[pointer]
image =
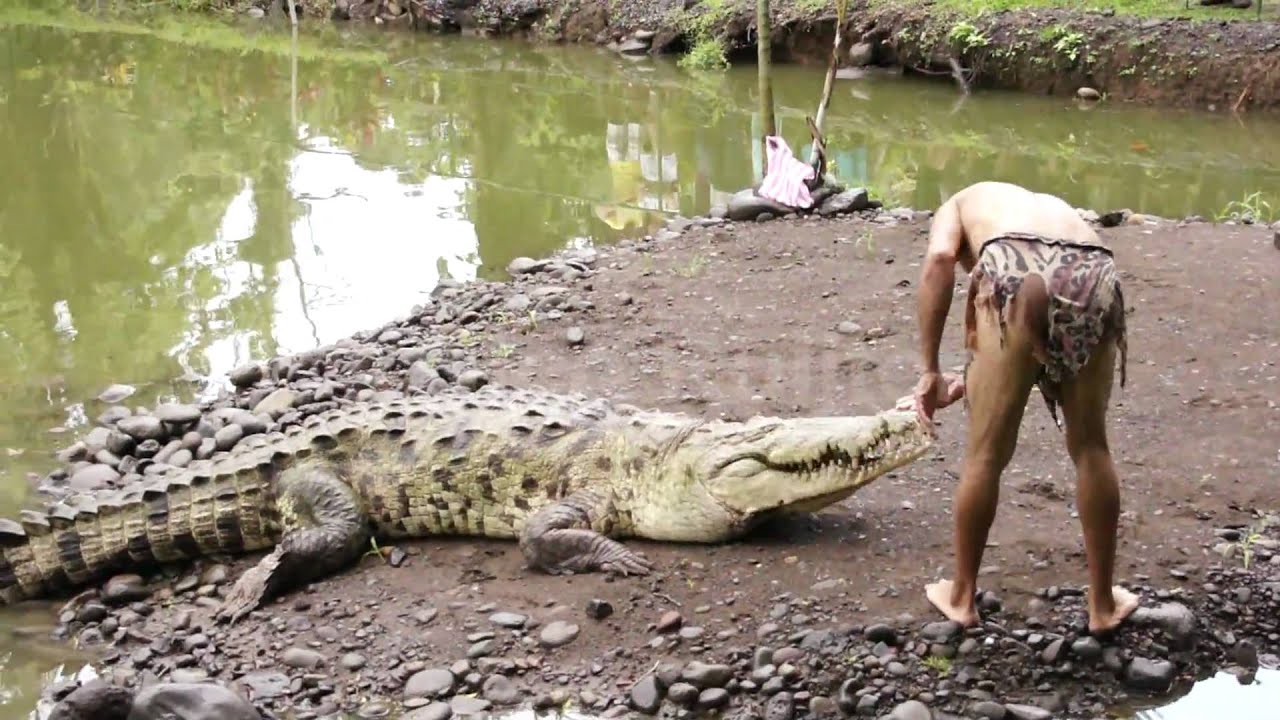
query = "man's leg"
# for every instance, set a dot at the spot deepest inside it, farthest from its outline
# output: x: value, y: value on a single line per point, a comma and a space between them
x: 997, y: 384
x: 1084, y: 408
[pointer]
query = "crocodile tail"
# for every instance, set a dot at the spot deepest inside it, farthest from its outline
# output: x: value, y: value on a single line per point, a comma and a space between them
x: 179, y: 516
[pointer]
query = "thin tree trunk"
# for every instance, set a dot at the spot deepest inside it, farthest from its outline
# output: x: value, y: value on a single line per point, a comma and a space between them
x: 764, y: 61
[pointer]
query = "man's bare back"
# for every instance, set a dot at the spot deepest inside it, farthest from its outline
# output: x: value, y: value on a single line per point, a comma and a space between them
x: 1044, y: 309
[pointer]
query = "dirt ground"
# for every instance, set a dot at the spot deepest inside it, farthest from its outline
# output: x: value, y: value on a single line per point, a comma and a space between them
x: 760, y: 319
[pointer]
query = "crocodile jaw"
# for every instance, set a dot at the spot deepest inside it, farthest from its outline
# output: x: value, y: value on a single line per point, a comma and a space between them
x: 802, y: 465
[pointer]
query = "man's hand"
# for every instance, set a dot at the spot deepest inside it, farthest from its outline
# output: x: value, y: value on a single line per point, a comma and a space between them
x: 933, y: 391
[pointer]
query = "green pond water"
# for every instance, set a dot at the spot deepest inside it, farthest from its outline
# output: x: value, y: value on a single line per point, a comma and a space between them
x: 182, y: 195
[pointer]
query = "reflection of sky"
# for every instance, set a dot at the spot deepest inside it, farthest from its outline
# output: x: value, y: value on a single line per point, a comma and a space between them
x: 1222, y: 696
x: 367, y: 248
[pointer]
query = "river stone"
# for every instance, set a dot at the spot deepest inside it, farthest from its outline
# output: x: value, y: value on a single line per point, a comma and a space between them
x: 191, y: 701
x: 509, y: 619
x: 434, y: 711
x: 988, y: 710
x: 177, y: 413
x: 95, y: 700
x: 124, y: 589
x: 142, y: 427
x: 93, y: 477
x: 473, y: 379
x: 245, y: 375
x: 227, y: 436
x: 463, y: 705
x: 266, y: 684
x: 861, y: 54
x: 1175, y: 619
x: 435, y: 682
x: 634, y: 46
x: 1027, y: 712
x: 848, y: 201
x: 646, y: 695
x: 499, y: 690
x: 575, y: 336
x: 706, y: 675
x: 113, y: 394
x: 277, y: 403
x: 911, y: 710
x: 781, y: 707
x: 558, y: 633
x: 712, y: 698
x: 525, y: 266
x: 1088, y: 93
x: 1151, y: 675
x: 302, y: 658
x: 747, y: 205
x: 421, y: 374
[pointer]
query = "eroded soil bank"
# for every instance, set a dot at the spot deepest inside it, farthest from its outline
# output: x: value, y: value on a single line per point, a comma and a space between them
x: 824, y: 617
x: 1219, y: 58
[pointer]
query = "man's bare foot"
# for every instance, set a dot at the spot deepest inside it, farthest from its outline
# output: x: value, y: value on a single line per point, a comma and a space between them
x: 965, y: 613
x: 1125, y: 602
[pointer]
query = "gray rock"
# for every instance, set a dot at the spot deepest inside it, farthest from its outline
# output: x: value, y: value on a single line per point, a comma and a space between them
x: 434, y: 711
x: 853, y: 200
x: 575, y: 336
x: 1088, y: 93
x: 177, y: 413
x: 432, y: 683
x: 988, y: 710
x: 1149, y: 675
x: 113, y: 394
x: 124, y: 589
x: 303, y: 658
x: 646, y: 695
x: 277, y: 403
x: 712, y: 698
x: 94, y: 700
x: 633, y: 47
x: 93, y: 477
x: 1027, y: 712
x: 191, y: 701
x: 861, y: 54
x: 245, y: 375
x: 463, y: 705
x: 266, y: 684
x: 421, y: 374
x: 1087, y: 648
x: 780, y: 707
x: 473, y: 379
x: 747, y: 205
x: 911, y: 710
x: 706, y: 675
x: 683, y: 694
x: 941, y: 631
x: 142, y: 427
x: 558, y: 633
x: 525, y: 266
x: 227, y: 436
x: 1175, y: 619
x: 499, y: 690
x: 509, y: 619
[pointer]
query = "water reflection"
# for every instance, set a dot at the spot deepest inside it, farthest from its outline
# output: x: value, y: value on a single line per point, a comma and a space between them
x: 1223, y: 696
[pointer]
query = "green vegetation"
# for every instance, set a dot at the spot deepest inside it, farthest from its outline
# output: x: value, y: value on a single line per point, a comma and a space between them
x: 706, y: 49
x: 1138, y: 8
x: 1252, y: 208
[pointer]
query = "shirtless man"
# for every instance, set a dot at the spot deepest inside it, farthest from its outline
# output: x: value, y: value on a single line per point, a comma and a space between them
x: 1044, y: 309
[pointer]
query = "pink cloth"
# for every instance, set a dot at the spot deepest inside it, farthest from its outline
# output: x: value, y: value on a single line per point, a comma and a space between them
x: 785, y: 179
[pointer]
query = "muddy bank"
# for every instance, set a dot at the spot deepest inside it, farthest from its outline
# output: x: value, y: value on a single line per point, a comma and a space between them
x: 821, y: 617
x: 1227, y: 64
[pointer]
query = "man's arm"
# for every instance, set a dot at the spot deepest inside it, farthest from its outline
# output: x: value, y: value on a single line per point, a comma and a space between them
x: 937, y: 281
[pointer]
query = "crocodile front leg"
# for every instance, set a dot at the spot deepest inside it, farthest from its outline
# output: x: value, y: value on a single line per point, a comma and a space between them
x: 560, y: 539
x: 324, y: 531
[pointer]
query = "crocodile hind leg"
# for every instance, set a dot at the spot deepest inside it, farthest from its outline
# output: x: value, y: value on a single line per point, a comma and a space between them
x: 325, y: 530
x: 561, y: 538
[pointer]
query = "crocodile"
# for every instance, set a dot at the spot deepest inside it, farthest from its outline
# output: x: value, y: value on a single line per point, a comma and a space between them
x: 568, y: 477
